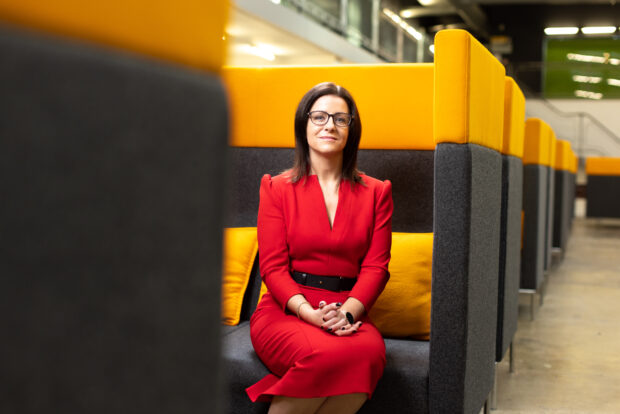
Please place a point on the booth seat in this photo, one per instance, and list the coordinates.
(564, 195)
(510, 227)
(536, 181)
(435, 132)
(114, 139)
(603, 188)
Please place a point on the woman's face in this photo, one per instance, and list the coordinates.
(329, 139)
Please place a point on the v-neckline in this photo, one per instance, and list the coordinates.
(331, 224)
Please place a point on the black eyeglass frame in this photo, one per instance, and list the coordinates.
(332, 116)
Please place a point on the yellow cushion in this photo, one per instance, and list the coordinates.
(240, 248)
(514, 119)
(537, 142)
(469, 91)
(602, 166)
(404, 307)
(396, 115)
(188, 32)
(563, 155)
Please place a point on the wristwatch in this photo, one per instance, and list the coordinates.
(349, 317)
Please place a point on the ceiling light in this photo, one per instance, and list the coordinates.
(432, 49)
(257, 51)
(613, 82)
(593, 59)
(588, 94)
(598, 29)
(403, 24)
(587, 79)
(552, 31)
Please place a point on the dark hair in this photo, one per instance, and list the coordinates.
(301, 166)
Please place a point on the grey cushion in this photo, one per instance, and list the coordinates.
(412, 175)
(111, 230)
(563, 200)
(243, 368)
(549, 215)
(510, 253)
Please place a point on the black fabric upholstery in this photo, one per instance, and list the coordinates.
(534, 226)
(464, 284)
(562, 208)
(549, 216)
(510, 253)
(247, 165)
(603, 196)
(403, 388)
(252, 293)
(411, 173)
(111, 222)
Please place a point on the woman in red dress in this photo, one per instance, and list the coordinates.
(324, 235)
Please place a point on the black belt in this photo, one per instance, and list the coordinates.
(333, 283)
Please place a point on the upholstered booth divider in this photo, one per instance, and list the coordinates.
(512, 201)
(435, 132)
(603, 188)
(113, 143)
(536, 169)
(564, 194)
(574, 166)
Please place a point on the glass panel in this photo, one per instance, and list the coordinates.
(359, 15)
(410, 49)
(387, 39)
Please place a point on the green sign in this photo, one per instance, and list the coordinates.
(582, 68)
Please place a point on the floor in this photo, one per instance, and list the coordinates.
(567, 360)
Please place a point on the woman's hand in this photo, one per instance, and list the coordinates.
(335, 320)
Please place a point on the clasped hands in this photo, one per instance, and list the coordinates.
(329, 317)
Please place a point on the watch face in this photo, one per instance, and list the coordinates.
(349, 316)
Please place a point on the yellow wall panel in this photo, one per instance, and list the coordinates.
(187, 32)
(395, 102)
(602, 166)
(514, 119)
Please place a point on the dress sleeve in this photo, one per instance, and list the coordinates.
(374, 273)
(272, 246)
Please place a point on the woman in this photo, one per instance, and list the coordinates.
(324, 235)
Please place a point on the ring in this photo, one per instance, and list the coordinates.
(322, 303)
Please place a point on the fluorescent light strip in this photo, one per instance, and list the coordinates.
(593, 59)
(553, 31)
(598, 29)
(588, 94)
(403, 24)
(613, 82)
(587, 79)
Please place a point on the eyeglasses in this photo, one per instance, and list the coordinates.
(321, 118)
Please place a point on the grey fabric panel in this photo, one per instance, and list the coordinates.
(247, 165)
(549, 216)
(111, 222)
(403, 388)
(562, 208)
(603, 196)
(243, 368)
(411, 173)
(534, 226)
(464, 285)
(572, 196)
(510, 253)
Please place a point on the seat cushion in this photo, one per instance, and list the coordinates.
(242, 368)
(404, 385)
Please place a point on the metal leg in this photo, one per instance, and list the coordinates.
(511, 363)
(486, 406)
(494, 391)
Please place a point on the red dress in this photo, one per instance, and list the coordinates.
(294, 234)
